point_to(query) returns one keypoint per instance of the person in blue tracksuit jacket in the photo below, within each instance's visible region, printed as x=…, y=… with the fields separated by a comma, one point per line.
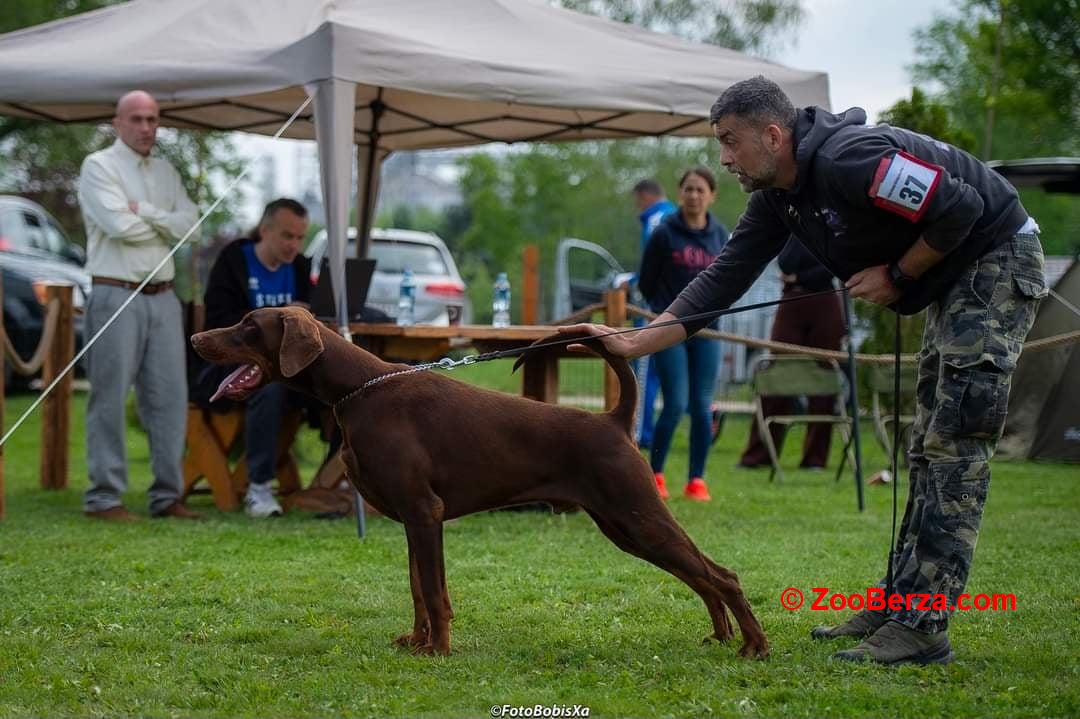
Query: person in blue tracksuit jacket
x=653, y=207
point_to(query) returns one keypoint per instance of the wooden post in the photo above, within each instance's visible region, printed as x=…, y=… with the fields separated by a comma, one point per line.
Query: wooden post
x=2, y=391
x=541, y=380
x=530, y=285
x=615, y=317
x=56, y=411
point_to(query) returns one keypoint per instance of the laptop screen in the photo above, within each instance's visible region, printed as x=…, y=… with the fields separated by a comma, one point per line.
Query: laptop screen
x=358, y=274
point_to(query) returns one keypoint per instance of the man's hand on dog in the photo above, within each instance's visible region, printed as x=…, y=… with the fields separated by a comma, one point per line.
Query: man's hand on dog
x=630, y=345
x=618, y=345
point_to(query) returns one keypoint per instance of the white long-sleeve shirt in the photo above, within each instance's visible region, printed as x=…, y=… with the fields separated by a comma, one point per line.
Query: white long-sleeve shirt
x=121, y=244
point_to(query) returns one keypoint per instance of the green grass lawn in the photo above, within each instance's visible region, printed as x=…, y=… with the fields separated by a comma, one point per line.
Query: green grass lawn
x=294, y=617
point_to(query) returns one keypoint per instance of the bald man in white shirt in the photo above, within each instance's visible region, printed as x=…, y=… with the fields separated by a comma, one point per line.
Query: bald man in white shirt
x=135, y=209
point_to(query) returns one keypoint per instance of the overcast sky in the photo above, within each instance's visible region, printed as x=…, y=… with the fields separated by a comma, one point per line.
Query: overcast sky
x=864, y=45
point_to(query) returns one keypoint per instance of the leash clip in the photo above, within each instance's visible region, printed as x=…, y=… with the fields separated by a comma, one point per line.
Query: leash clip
x=448, y=364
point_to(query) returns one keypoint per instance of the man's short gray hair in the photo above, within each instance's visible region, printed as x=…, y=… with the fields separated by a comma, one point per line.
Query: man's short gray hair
x=757, y=100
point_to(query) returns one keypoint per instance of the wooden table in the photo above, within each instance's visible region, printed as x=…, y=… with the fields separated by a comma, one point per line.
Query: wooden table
x=425, y=343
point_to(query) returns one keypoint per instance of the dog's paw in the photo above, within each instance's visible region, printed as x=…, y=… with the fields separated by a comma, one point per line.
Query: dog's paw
x=413, y=639
x=430, y=650
x=752, y=649
x=719, y=637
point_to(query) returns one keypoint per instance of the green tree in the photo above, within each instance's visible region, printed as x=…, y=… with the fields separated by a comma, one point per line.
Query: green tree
x=745, y=25
x=1009, y=72
x=1009, y=75
x=925, y=115
x=551, y=191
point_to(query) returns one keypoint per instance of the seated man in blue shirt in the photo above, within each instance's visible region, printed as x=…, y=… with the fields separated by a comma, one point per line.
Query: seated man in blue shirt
x=265, y=270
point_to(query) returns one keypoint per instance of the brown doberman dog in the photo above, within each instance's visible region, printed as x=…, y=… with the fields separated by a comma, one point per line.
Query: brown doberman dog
x=423, y=448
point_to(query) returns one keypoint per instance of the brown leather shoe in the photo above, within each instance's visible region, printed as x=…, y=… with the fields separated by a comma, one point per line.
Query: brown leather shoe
x=177, y=510
x=118, y=513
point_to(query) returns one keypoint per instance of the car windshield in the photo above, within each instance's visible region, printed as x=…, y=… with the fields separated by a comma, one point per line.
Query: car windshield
x=24, y=230
x=393, y=256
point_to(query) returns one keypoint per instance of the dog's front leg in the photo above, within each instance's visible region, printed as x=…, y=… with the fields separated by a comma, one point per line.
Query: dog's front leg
x=421, y=623
x=426, y=543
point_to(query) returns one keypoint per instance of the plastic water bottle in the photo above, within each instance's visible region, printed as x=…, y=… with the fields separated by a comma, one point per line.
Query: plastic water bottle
x=406, y=304
x=500, y=302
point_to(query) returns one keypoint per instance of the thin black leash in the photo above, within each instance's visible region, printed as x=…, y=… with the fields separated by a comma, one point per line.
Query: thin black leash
x=448, y=364
x=889, y=573
x=655, y=325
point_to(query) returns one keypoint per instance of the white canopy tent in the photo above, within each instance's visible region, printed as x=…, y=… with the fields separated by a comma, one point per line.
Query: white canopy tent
x=385, y=75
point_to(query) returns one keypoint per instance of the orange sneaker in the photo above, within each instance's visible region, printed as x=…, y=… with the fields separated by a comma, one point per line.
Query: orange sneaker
x=696, y=490
x=661, y=485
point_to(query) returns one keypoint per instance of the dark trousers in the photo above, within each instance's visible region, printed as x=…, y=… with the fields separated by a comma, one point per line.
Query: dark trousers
x=264, y=411
x=812, y=322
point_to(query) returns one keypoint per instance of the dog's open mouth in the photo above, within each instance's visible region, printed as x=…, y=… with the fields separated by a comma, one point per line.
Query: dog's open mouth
x=240, y=383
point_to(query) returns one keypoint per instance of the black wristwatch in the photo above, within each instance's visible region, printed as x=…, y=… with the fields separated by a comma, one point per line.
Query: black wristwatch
x=900, y=280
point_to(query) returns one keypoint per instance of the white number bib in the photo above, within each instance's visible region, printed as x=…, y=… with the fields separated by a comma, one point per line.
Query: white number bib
x=904, y=184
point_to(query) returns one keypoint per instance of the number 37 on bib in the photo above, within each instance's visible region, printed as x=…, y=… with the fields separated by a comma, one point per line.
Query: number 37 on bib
x=904, y=184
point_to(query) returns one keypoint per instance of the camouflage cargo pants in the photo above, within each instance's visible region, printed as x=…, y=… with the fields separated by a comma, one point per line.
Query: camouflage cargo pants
x=973, y=338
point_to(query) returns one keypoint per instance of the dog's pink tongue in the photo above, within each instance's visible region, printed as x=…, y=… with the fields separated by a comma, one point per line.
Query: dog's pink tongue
x=232, y=382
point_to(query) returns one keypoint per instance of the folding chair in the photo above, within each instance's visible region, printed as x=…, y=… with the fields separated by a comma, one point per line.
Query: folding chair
x=882, y=385
x=794, y=375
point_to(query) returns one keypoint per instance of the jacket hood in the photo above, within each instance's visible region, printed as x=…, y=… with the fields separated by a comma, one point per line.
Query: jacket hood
x=676, y=220
x=812, y=128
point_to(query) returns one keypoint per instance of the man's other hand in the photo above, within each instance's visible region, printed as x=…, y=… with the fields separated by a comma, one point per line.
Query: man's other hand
x=873, y=284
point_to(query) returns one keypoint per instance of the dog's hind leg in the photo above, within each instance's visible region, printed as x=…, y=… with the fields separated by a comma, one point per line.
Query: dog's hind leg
x=722, y=630
x=655, y=537
x=426, y=540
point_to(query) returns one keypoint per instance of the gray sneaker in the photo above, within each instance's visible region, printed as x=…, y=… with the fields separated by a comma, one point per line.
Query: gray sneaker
x=259, y=502
x=896, y=644
x=863, y=624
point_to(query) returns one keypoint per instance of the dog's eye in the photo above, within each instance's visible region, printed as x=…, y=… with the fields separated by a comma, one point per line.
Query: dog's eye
x=249, y=332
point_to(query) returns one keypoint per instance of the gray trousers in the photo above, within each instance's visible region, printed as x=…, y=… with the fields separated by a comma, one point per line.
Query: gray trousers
x=144, y=347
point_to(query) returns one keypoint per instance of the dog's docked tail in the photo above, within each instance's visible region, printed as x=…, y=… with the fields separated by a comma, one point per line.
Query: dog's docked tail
x=624, y=409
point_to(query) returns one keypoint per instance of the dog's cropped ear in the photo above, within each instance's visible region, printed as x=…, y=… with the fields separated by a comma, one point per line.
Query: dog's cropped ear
x=301, y=343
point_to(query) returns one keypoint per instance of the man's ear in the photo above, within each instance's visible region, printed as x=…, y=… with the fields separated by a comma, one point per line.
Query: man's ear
x=301, y=343
x=773, y=137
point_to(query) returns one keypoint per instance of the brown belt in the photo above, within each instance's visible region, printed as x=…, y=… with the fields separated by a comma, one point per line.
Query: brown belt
x=151, y=289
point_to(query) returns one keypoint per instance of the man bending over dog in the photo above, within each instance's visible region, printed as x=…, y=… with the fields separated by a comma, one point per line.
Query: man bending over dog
x=911, y=223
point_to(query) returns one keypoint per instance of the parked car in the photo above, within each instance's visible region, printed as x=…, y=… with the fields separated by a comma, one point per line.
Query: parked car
x=33, y=250
x=440, y=296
